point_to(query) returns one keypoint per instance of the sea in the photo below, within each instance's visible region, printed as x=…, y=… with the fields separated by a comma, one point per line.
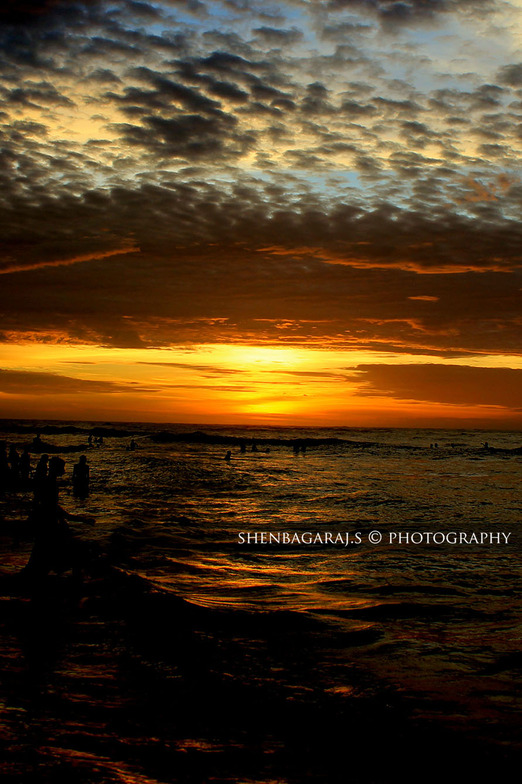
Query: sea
x=363, y=578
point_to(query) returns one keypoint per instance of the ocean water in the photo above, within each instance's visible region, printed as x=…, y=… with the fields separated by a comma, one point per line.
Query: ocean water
x=401, y=607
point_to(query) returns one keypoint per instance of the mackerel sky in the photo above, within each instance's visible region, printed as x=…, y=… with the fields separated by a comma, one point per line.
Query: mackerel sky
x=340, y=176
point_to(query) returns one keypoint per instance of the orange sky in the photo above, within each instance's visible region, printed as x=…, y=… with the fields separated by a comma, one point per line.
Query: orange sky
x=251, y=384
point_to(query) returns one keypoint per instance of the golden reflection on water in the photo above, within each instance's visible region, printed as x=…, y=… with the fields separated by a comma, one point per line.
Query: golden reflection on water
x=430, y=621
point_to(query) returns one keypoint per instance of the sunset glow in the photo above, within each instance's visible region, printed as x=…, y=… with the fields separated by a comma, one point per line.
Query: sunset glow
x=252, y=384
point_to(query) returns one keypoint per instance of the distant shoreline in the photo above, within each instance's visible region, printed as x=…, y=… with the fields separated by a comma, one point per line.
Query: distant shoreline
x=248, y=436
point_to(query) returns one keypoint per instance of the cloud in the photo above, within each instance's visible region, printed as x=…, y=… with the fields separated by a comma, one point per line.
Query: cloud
x=188, y=136
x=511, y=74
x=172, y=172
x=393, y=15
x=30, y=12
x=24, y=382
x=197, y=267
x=448, y=384
x=277, y=37
x=8, y=269
x=205, y=370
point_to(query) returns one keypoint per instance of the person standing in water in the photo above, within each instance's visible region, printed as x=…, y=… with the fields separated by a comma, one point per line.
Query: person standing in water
x=80, y=478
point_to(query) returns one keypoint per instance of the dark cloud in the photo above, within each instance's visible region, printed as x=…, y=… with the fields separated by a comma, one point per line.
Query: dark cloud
x=196, y=215
x=204, y=370
x=29, y=12
x=36, y=95
x=204, y=260
x=144, y=11
x=187, y=136
x=27, y=127
x=511, y=75
x=357, y=110
x=391, y=106
x=170, y=92
x=194, y=6
x=43, y=13
x=103, y=76
x=276, y=37
x=22, y=382
x=453, y=384
x=343, y=30
x=399, y=13
x=227, y=61
x=227, y=91
x=100, y=47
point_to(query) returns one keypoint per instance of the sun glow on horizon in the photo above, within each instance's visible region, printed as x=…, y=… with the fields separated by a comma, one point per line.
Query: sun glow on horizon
x=218, y=383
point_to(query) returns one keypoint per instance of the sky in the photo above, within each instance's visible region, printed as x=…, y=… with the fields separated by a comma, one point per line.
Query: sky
x=303, y=212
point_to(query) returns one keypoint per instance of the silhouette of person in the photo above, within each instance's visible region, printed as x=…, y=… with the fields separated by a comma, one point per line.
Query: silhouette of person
x=228, y=456
x=41, y=469
x=242, y=447
x=46, y=479
x=25, y=465
x=37, y=441
x=51, y=531
x=80, y=478
x=56, y=468
x=132, y=446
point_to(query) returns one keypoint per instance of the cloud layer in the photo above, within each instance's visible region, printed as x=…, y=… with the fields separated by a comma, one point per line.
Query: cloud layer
x=337, y=172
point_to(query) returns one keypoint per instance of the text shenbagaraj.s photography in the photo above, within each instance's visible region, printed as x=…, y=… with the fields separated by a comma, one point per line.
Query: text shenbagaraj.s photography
x=349, y=538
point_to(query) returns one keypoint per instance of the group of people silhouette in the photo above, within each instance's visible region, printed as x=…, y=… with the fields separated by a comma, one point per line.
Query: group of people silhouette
x=55, y=547
x=16, y=471
x=14, y=468
x=298, y=445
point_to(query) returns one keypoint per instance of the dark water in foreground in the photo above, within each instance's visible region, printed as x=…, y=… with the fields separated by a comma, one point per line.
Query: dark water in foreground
x=294, y=662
